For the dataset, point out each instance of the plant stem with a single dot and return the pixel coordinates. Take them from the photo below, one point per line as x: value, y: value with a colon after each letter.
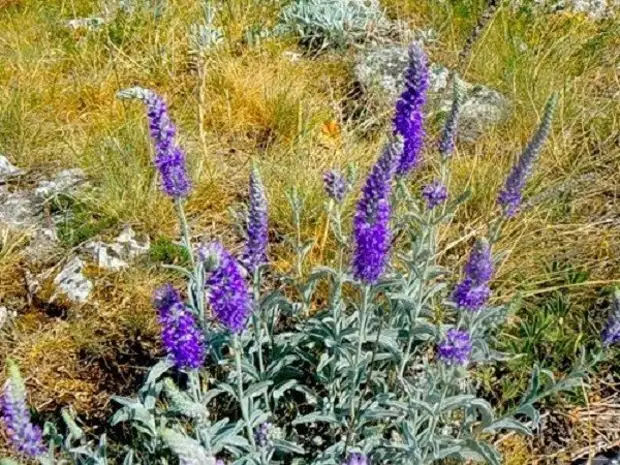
x: 420, y: 293
x: 178, y: 206
x: 242, y: 402
x: 356, y: 361
x: 258, y: 330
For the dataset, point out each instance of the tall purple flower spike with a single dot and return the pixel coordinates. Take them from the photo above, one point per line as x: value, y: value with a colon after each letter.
x: 408, y: 121
x: 25, y: 437
x: 371, y: 223
x: 255, y: 253
x: 511, y: 196
x: 169, y: 157
x: 455, y: 349
x: 227, y: 290
x: 182, y: 337
x: 473, y: 292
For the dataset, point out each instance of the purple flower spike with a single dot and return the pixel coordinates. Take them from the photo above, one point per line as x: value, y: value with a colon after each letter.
x: 356, y: 458
x: 24, y: 436
x: 227, y: 289
x: 169, y: 157
x: 255, y: 253
x: 435, y: 194
x: 336, y: 185
x: 371, y: 228
x: 510, y: 196
x: 473, y: 292
x: 181, y: 336
x: 408, y: 119
x: 611, y: 334
x: 455, y: 349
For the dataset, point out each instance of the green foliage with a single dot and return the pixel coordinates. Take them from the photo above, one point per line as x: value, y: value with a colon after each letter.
x: 163, y: 250
x: 78, y: 221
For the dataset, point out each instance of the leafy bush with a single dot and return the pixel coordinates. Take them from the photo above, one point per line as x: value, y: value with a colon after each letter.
x: 333, y: 23
x: 264, y: 370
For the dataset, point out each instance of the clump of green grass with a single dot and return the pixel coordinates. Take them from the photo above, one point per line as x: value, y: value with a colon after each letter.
x: 165, y: 251
x: 79, y: 223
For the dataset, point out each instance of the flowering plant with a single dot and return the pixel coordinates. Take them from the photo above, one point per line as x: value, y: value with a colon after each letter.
x: 259, y: 370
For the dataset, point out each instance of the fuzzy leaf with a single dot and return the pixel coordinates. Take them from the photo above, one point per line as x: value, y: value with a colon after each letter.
x: 288, y: 447
x: 508, y: 424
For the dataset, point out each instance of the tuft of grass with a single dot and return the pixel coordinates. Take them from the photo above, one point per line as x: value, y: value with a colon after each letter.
x: 163, y: 250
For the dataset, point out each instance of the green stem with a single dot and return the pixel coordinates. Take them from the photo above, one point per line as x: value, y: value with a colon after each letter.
x: 419, y: 296
x: 244, y: 410
x: 178, y: 206
x: 354, y: 369
x: 258, y: 330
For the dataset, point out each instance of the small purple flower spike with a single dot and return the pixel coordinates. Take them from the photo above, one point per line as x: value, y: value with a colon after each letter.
x: 435, y: 194
x: 255, y: 253
x: 336, y: 186
x: 181, y: 336
x: 511, y: 195
x: 473, y: 292
x: 262, y: 435
x: 227, y: 290
x: 25, y: 437
x: 408, y: 119
x: 455, y: 349
x: 356, y: 458
x: 169, y: 157
x: 371, y: 223
x: 611, y: 333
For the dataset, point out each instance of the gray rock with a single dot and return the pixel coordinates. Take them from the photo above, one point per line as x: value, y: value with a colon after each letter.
x: 5, y: 316
x: 72, y: 283
x: 380, y: 73
x: 115, y: 256
x: 7, y: 169
x: 23, y: 209
x: 63, y: 182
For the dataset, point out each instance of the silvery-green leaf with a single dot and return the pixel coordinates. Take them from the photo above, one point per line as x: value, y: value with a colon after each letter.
x: 485, y: 409
x: 508, y: 424
x: 128, y: 460
x: 281, y: 389
x: 454, y: 402
x: 257, y: 389
x: 316, y: 417
x: 158, y: 370
x: 480, y: 452
x: 287, y: 447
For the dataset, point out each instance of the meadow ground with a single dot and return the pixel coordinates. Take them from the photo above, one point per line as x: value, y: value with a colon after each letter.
x: 251, y: 102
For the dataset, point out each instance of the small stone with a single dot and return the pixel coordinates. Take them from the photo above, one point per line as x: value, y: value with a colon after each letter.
x: 115, y: 256
x: 7, y: 169
x: 106, y: 256
x: 91, y: 24
x: 6, y: 316
x: 127, y: 238
x: 72, y: 283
